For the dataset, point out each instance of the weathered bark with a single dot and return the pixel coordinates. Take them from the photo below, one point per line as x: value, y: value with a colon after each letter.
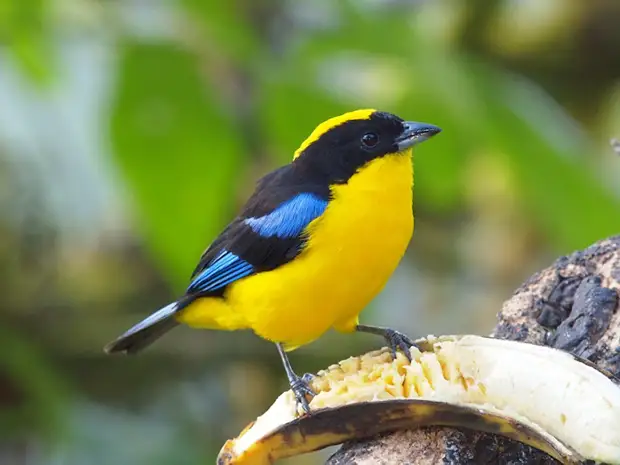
x: 572, y: 306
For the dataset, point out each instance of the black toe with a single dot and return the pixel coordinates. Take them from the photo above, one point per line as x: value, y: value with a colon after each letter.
x: 302, y: 389
x: 399, y: 341
x: 308, y: 377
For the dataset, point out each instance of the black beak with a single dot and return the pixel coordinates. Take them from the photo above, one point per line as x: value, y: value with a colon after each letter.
x: 414, y: 133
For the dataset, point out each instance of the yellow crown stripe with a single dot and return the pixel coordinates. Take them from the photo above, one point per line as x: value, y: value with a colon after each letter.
x: 331, y: 123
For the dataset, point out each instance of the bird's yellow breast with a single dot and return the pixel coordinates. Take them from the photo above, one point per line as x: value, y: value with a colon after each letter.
x: 352, y: 250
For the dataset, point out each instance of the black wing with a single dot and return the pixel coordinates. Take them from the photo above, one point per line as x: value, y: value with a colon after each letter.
x: 267, y: 234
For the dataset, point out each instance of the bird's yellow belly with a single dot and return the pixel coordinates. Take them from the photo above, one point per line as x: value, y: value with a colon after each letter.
x: 352, y: 250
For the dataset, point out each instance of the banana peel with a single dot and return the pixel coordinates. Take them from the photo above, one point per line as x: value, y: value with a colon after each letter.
x: 544, y: 397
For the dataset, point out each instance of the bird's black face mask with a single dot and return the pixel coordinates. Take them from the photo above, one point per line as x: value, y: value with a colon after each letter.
x: 341, y: 146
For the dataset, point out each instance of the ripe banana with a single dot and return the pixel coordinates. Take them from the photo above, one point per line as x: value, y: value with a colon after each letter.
x: 541, y: 396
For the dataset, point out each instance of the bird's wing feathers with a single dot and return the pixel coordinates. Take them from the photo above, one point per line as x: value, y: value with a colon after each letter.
x: 212, y: 250
x: 269, y: 233
x: 223, y: 270
x: 264, y: 237
x: 290, y: 218
x: 266, y: 198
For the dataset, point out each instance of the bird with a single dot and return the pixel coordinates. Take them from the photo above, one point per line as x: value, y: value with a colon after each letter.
x: 312, y: 246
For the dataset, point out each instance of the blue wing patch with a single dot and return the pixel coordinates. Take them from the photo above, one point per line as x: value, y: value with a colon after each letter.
x: 287, y: 221
x: 223, y: 270
x: 290, y: 218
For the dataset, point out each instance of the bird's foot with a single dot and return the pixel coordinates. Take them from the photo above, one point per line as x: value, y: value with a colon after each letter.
x: 301, y: 388
x: 395, y: 339
x: 398, y: 341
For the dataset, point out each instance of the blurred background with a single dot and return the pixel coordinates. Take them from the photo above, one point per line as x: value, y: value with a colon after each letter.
x: 132, y: 130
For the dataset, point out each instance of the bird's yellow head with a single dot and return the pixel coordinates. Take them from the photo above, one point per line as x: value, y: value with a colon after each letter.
x: 343, y: 144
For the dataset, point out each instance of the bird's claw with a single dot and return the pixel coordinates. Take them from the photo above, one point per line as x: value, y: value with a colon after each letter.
x: 399, y: 341
x: 308, y: 377
x: 301, y: 388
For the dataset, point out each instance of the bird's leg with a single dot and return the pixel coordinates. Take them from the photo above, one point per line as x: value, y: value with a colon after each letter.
x: 395, y: 340
x: 299, y: 385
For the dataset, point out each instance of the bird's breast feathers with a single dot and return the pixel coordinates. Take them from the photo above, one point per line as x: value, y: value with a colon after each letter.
x: 351, y: 250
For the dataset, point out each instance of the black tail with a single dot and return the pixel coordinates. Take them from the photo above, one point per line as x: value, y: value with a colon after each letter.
x: 146, y: 332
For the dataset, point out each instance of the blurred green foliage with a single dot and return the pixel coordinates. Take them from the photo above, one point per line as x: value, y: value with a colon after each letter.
x: 163, y: 108
x: 187, y: 103
x: 179, y: 152
x: 25, y: 404
x: 25, y: 29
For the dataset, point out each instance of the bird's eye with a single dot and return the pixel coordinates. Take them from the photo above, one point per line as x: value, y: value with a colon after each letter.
x: 370, y: 139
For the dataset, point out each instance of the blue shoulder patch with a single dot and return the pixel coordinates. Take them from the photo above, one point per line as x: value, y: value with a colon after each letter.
x: 290, y: 218
x: 223, y: 270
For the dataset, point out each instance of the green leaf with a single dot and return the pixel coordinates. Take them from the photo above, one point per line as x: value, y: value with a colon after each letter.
x: 546, y: 152
x: 441, y: 93
x: 23, y: 25
x: 284, y: 132
x: 177, y: 150
x: 227, y: 25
